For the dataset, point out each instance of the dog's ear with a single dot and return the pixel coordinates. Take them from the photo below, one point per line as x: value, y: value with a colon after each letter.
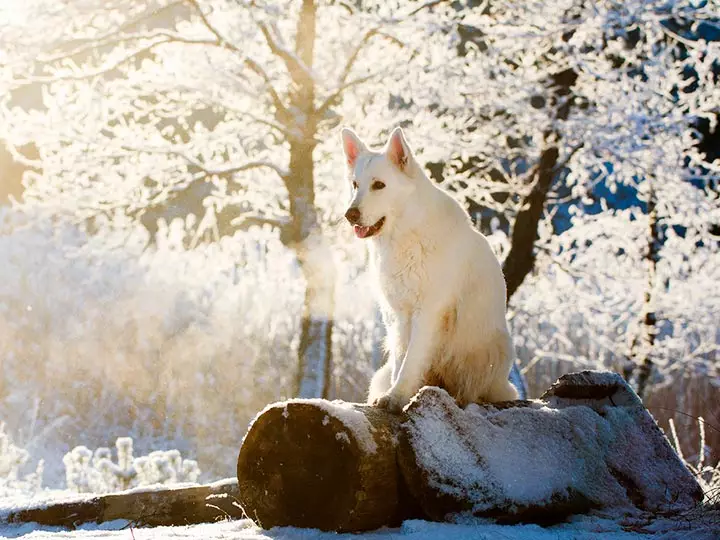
x: 352, y: 146
x: 398, y: 150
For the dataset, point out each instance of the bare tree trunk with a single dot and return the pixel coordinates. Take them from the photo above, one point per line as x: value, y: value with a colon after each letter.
x: 521, y: 258
x: 304, y: 234
x: 644, y: 341
x: 316, y: 263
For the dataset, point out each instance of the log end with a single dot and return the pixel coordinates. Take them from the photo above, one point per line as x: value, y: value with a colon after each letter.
x: 304, y: 463
x: 592, y: 388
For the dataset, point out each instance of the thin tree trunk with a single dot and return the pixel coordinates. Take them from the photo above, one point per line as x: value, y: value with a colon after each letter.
x: 316, y: 263
x: 643, y: 343
x: 304, y: 234
x: 521, y: 258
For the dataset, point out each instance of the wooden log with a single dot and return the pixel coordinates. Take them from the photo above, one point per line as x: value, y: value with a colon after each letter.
x: 321, y: 464
x: 155, y: 507
x: 588, y: 443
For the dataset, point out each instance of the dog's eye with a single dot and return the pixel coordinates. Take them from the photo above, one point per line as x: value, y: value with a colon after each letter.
x: 377, y: 184
x: 355, y: 185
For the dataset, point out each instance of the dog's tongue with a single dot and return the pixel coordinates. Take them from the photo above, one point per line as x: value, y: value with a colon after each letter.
x: 361, y: 232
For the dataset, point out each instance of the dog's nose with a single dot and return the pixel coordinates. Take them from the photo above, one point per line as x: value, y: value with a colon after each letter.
x: 352, y: 215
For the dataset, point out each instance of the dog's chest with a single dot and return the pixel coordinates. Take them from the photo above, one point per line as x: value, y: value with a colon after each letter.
x: 401, y: 270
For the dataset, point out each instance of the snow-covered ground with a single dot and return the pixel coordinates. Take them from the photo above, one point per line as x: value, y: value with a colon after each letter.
x: 699, y: 525
x: 579, y: 529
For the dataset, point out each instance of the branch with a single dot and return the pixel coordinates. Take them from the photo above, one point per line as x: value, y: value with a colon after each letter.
x: 293, y: 63
x: 521, y: 258
x: 337, y: 94
x: 231, y: 169
x: 19, y: 157
x: 342, y: 84
x: 677, y: 37
x: 214, y: 31
x: 126, y: 25
x: 426, y: 5
x: 254, y: 66
x: 269, y: 123
x: 274, y: 95
x: 92, y: 73
x: 560, y: 166
x: 364, y: 41
x: 245, y: 222
x: 219, y: 171
x: 120, y: 38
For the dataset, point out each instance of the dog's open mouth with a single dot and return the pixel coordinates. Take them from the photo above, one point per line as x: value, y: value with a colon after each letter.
x: 367, y: 232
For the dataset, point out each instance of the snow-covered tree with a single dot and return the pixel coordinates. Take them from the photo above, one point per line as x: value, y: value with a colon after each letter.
x: 576, y: 101
x: 235, y: 103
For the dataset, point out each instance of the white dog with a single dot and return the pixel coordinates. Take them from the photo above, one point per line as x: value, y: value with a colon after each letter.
x: 442, y: 291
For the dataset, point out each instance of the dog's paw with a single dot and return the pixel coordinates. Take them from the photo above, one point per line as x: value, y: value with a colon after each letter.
x: 391, y: 403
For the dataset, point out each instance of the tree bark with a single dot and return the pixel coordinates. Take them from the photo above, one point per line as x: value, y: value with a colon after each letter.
x: 305, y: 237
x: 642, y: 346
x: 521, y: 258
x: 166, y: 507
x: 320, y: 464
x: 304, y: 234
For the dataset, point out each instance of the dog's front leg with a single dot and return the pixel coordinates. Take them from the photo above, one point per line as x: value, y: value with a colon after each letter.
x: 398, y: 343
x: 408, y: 377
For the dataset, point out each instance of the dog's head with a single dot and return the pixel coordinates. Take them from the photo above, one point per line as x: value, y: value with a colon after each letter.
x: 381, y: 182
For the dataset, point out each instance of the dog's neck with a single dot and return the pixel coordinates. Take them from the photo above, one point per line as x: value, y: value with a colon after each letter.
x: 414, y: 219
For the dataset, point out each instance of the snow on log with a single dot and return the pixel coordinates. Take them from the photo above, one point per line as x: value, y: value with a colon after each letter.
x: 147, y: 506
x: 320, y: 464
x: 587, y: 443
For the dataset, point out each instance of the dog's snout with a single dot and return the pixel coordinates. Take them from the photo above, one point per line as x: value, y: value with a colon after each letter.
x: 352, y: 215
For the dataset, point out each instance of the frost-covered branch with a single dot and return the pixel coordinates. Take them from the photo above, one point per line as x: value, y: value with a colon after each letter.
x: 219, y: 170
x: 120, y: 38
x: 245, y: 221
x: 333, y: 98
x: 212, y: 29
x: 426, y: 5
x: 82, y: 74
x: 274, y: 94
x: 343, y: 84
x: 296, y: 67
x: 362, y: 43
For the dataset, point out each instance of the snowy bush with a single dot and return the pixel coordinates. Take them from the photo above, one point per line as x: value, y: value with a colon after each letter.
x: 95, y: 472
x: 707, y: 475
x: 12, y: 461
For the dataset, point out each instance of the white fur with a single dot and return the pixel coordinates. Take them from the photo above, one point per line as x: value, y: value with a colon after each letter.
x: 441, y: 288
